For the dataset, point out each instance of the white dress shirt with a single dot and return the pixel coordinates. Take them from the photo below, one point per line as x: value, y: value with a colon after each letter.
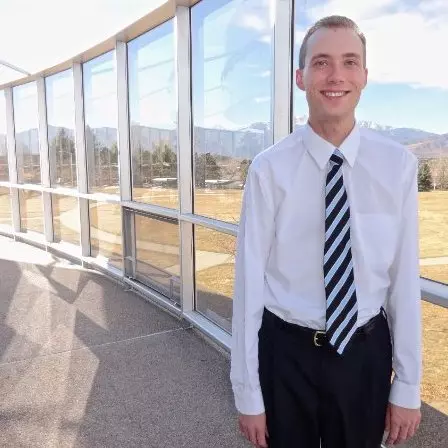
x: 280, y: 247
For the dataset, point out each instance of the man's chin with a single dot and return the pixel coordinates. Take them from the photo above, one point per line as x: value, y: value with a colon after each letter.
x: 336, y: 116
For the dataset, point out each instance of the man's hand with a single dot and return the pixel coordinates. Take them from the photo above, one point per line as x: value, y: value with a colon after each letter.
x: 254, y: 428
x: 401, y: 423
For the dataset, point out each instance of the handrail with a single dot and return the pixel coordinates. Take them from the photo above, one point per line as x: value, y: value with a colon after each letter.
x: 434, y: 292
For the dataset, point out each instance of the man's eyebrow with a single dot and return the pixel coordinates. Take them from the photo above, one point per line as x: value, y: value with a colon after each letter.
x: 320, y: 55
x: 327, y: 56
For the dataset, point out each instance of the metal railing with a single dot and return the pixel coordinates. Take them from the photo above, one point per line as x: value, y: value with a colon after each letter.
x: 435, y: 293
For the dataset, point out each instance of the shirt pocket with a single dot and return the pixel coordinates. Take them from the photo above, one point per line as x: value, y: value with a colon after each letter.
x: 376, y: 239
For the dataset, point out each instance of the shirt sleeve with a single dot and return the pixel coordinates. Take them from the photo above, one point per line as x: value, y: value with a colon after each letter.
x: 253, y: 244
x: 404, y: 305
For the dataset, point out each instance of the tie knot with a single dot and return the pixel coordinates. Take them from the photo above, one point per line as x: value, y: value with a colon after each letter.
x: 337, y: 158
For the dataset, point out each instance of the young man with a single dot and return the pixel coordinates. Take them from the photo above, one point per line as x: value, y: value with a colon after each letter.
x: 327, y: 294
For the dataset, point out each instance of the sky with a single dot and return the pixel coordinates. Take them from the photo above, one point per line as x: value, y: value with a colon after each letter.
x: 232, y: 59
x: 43, y: 33
x: 408, y: 72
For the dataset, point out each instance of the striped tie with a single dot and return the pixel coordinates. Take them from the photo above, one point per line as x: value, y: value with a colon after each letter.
x: 342, y: 307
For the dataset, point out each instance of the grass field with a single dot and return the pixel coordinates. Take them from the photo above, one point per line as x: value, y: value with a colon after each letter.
x: 158, y: 243
x: 31, y: 211
x: 63, y: 205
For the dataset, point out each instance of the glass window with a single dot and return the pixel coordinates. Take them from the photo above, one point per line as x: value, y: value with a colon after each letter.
x: 4, y: 173
x: 65, y: 219
x: 100, y: 107
x: 232, y: 99
x: 153, y: 117
x: 31, y: 211
x: 419, y: 116
x: 157, y: 254
x: 215, y: 273
x: 105, y: 232
x: 61, y: 129
x: 5, y: 209
x: 26, y: 120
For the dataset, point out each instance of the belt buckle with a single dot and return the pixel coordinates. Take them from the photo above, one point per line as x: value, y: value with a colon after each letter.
x: 316, y: 336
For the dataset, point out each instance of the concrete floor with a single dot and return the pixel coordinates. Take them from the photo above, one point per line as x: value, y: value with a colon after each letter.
x: 85, y: 363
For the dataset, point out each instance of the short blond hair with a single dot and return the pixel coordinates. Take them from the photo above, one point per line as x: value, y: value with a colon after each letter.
x: 331, y: 22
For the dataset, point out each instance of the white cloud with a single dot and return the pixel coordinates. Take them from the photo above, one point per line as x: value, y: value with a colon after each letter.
x: 253, y: 22
x: 356, y: 10
x: 266, y: 39
x: 43, y: 33
x: 265, y: 74
x: 257, y: 15
x: 436, y: 6
x: 404, y: 44
x: 262, y: 99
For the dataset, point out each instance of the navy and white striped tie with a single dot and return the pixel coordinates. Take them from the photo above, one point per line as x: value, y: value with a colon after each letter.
x: 342, y: 307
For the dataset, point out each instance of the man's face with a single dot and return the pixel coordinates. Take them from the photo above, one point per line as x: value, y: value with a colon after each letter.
x: 334, y: 73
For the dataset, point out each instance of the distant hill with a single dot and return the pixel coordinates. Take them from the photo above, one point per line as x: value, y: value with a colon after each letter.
x: 423, y: 144
x: 249, y: 141
x: 405, y: 136
x: 435, y: 147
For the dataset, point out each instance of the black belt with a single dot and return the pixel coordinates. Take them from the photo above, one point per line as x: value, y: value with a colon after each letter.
x: 319, y: 337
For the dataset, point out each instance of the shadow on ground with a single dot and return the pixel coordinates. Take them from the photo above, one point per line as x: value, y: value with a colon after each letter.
x: 85, y: 363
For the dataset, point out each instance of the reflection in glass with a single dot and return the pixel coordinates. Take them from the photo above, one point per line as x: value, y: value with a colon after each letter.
x: 157, y: 255
x: 4, y: 173
x: 26, y: 121
x: 105, y: 232
x: 61, y: 132
x: 435, y: 356
x: 214, y: 262
x: 31, y: 211
x: 419, y: 116
x: 100, y: 105
x: 153, y: 117
x: 65, y: 219
x: 231, y: 78
x: 5, y: 209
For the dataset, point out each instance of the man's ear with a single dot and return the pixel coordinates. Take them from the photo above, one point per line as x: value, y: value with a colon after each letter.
x: 366, y: 76
x: 299, y: 79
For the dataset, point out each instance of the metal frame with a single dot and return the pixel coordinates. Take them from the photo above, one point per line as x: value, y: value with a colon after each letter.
x: 12, y: 160
x: 124, y: 154
x: 14, y: 67
x: 124, y: 149
x: 283, y: 54
x: 81, y: 159
x: 185, y: 157
x: 44, y: 159
x: 433, y: 292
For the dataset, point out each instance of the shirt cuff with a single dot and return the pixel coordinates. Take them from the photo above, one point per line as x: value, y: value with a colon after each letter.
x: 405, y: 395
x: 249, y: 402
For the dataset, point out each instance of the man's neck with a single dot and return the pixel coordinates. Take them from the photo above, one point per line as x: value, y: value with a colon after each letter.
x: 334, y: 132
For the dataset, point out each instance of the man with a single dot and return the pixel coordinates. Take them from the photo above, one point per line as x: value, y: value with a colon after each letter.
x: 327, y: 295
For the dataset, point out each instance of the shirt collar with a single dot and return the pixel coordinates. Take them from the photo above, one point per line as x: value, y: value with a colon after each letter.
x: 321, y: 150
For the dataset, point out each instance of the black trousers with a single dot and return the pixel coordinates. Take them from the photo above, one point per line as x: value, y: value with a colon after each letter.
x: 315, y: 397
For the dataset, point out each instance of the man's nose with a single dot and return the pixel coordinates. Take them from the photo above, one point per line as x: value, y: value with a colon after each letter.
x: 336, y: 75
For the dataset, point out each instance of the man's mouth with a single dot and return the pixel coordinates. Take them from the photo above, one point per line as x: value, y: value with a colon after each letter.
x: 334, y: 94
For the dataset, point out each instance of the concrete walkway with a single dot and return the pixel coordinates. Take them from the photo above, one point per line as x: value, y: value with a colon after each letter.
x: 87, y: 364
x: 433, y: 261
